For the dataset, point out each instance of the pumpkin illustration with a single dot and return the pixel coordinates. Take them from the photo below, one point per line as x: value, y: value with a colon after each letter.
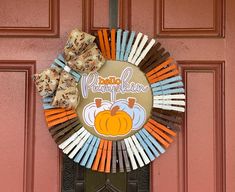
x: 136, y: 111
x: 113, y: 122
x: 92, y: 109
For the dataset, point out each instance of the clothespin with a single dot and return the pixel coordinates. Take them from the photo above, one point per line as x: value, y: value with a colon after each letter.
x: 140, y: 48
x: 123, y: 46
x: 67, y: 135
x: 140, y: 149
x: 71, y: 139
x: 118, y: 44
x: 145, y: 51
x: 70, y: 147
x: 120, y: 158
x: 129, y: 45
x: 135, y: 152
x: 145, y: 146
x: 134, y: 47
x: 114, y: 157
x: 61, y: 62
x: 103, y: 157
x: 79, y: 145
x: 93, y: 154
x: 131, y: 155
x: 88, y: 151
x: 53, y: 130
x: 109, y: 157
x: 98, y: 156
x: 84, y: 148
x: 148, y: 143
x: 66, y: 129
x: 125, y: 156
x: 167, y: 81
x: 153, y: 141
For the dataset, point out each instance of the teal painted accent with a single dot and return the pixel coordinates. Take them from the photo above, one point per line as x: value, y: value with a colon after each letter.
x: 149, y: 153
x: 61, y: 62
x: 118, y: 44
x: 124, y: 39
x: 129, y: 45
x: 92, y: 157
x: 168, y: 86
x: 83, y: 150
x: 47, y: 99
x: 170, y: 80
x: 88, y: 152
x: 148, y: 142
x: 168, y: 91
x: 48, y: 106
x: 154, y: 141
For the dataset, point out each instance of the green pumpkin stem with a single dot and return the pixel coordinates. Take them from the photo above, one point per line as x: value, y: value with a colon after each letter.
x: 131, y: 102
x: 114, y: 110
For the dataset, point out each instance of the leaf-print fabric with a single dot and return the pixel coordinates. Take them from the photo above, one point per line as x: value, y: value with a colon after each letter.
x: 67, y: 94
x: 77, y: 43
x: 81, y: 53
x: 47, y: 81
x: 89, y: 61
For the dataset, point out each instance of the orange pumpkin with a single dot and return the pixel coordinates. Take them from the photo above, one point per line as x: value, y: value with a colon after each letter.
x: 113, y: 122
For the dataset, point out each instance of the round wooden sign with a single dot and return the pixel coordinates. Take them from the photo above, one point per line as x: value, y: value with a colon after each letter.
x: 117, y: 92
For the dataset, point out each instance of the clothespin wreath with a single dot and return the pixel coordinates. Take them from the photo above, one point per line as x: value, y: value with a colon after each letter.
x: 139, y: 121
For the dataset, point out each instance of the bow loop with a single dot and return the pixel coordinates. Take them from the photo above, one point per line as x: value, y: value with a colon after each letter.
x: 81, y: 55
x: 47, y: 81
x: 67, y: 94
x: 77, y: 43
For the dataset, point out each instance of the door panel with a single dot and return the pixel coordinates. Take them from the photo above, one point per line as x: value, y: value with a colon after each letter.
x: 200, y: 35
x: 29, y: 18
x: 184, y: 18
x: 12, y: 162
x: 17, y: 127
x: 200, y: 125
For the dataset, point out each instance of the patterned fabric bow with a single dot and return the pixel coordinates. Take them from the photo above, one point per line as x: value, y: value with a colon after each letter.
x: 81, y: 53
x: 61, y: 79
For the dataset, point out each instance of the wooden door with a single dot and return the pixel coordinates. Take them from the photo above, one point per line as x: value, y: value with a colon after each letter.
x: 200, y: 35
x: 76, y: 178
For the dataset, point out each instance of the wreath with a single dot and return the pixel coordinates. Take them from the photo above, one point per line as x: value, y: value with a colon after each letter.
x: 116, y: 109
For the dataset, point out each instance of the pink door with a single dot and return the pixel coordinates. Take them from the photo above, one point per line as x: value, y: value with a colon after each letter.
x: 200, y: 35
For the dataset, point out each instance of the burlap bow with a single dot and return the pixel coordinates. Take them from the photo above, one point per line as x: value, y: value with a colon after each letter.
x: 81, y: 55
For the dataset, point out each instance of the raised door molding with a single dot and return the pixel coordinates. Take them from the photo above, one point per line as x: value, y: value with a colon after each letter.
x: 175, y: 19
x: 214, y: 69
x: 51, y: 29
x: 28, y: 68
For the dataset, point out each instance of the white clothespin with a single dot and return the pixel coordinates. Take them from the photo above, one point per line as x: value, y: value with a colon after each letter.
x: 145, y: 51
x: 131, y: 156
x: 169, y: 102
x: 74, y: 143
x: 140, y: 48
x: 169, y: 107
x: 71, y: 138
x: 178, y: 96
x: 134, y: 47
x: 141, y: 150
x: 136, y: 153
x: 79, y: 146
